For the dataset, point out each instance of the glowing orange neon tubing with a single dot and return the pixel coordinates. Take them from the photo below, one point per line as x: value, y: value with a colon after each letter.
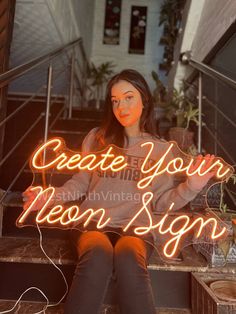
x: 87, y: 162
x: 71, y: 215
x: 57, y: 214
x: 155, y: 169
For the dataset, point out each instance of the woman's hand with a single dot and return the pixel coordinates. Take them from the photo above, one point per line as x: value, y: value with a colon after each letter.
x: 29, y: 196
x: 197, y: 182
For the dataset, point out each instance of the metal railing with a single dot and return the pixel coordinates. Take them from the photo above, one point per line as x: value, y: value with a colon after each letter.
x: 210, y: 72
x: 200, y: 70
x: 70, y: 51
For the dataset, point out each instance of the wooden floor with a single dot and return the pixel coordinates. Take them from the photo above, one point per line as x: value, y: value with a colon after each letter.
x: 34, y: 307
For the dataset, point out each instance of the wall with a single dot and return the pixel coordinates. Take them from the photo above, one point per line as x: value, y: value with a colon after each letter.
x: 216, y: 18
x: 119, y: 53
x: 205, y: 24
x: 190, y: 21
x: 84, y: 14
x: 63, y: 16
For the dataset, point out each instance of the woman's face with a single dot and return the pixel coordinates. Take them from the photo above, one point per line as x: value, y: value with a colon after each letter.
x: 127, y: 104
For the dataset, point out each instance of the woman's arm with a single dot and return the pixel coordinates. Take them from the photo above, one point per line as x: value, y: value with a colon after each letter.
x: 169, y: 193
x: 166, y: 191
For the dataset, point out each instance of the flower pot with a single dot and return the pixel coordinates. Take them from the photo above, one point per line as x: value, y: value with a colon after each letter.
x: 183, y: 137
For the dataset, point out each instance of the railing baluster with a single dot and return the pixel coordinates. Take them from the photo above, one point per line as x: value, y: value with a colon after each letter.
x: 72, y: 70
x: 49, y: 91
x: 200, y: 113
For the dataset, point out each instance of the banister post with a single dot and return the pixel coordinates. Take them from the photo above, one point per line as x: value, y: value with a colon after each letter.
x: 200, y: 113
x: 49, y: 91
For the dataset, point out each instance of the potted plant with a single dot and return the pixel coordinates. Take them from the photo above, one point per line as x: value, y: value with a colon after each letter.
x: 170, y: 17
x: 223, y: 251
x: 159, y: 97
x: 182, y: 112
x: 99, y: 75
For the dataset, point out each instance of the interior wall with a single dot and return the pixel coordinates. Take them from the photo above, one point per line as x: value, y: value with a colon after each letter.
x: 84, y: 15
x: 118, y: 54
x: 217, y: 16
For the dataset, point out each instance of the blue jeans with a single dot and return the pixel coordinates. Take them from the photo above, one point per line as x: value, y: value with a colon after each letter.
x: 99, y: 256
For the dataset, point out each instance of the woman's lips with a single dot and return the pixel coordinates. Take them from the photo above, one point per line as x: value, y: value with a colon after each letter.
x: 123, y: 116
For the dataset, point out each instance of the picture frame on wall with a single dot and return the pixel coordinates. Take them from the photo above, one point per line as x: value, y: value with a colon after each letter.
x: 111, y: 34
x: 138, y: 22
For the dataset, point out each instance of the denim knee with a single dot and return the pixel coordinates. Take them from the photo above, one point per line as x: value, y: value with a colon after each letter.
x: 128, y: 259
x: 95, y: 262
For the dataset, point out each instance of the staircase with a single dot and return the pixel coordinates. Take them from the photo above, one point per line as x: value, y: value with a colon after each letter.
x: 22, y: 261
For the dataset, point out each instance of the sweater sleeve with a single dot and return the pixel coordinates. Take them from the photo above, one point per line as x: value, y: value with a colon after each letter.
x: 167, y: 191
x: 180, y: 195
x: 77, y: 186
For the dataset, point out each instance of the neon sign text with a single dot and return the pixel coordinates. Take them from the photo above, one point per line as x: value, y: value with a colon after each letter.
x: 108, y: 161
x: 177, y: 228
x: 77, y: 161
x: 176, y: 165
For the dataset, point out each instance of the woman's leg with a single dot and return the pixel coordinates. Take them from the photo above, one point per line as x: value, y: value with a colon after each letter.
x: 133, y: 281
x: 92, y: 274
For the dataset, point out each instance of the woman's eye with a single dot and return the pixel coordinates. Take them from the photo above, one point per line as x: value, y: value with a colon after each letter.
x: 114, y: 102
x: 128, y: 98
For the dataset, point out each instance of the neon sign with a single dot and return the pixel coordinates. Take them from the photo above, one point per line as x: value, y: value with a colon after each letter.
x: 108, y: 160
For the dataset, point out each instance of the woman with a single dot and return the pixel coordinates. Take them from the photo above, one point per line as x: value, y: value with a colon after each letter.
x: 128, y: 124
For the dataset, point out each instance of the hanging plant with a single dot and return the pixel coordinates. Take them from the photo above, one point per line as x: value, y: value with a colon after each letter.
x: 170, y: 17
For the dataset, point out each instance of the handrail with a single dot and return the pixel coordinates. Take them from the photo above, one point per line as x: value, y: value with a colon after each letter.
x: 20, y: 140
x: 220, y: 111
x: 220, y: 144
x: 18, y: 71
x: 201, y: 67
x: 11, y: 115
x: 12, y: 74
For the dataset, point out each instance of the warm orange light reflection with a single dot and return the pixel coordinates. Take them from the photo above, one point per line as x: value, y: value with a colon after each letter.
x: 58, y: 214
x: 177, y: 228
x: 174, y: 166
x: 90, y: 162
x: 108, y: 161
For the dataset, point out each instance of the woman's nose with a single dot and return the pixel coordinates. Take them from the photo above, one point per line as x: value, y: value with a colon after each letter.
x: 121, y: 104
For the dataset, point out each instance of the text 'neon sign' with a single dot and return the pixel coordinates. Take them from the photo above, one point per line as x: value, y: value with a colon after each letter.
x: 107, y: 160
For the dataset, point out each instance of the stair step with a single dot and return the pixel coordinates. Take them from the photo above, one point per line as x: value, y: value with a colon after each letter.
x: 68, y: 132
x: 32, y: 307
x: 88, y: 114
x: 25, y: 307
x: 28, y: 250
x: 13, y: 199
x: 73, y: 140
x: 76, y: 124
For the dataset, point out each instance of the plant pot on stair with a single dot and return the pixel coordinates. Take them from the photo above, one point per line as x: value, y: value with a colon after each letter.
x: 182, y: 136
x: 182, y: 112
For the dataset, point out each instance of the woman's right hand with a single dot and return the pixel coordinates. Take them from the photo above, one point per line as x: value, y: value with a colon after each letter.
x: 29, y: 196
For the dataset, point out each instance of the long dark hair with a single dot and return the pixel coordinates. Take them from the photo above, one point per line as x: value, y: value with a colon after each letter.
x: 111, y: 131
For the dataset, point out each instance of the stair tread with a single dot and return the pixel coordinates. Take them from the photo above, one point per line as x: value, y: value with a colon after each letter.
x: 13, y: 199
x: 68, y: 132
x: 27, y: 250
x: 26, y: 307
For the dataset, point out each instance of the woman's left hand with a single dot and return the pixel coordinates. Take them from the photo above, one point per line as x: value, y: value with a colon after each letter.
x: 197, y: 182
